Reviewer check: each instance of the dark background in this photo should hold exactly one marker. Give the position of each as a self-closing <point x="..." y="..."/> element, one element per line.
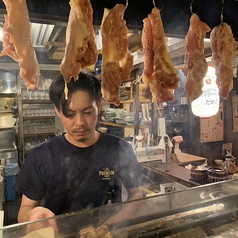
<point x="175" y="13"/>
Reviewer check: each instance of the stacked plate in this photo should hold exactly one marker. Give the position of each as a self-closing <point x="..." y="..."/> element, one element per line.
<point x="129" y="118"/>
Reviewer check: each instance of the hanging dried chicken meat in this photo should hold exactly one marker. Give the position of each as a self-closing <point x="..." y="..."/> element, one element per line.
<point x="17" y="41"/>
<point x="117" y="62"/>
<point x="148" y="49"/>
<point x="80" y="50"/>
<point x="159" y="71"/>
<point x="223" y="47"/>
<point x="195" y="65"/>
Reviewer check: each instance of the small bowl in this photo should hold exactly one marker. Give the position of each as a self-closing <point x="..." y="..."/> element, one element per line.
<point x="218" y="161"/>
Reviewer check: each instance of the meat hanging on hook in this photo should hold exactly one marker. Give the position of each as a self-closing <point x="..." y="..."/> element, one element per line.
<point x="195" y="64"/>
<point x="81" y="49"/>
<point x="117" y="62"/>
<point x="159" y="71"/>
<point x="223" y="46"/>
<point x="17" y="42"/>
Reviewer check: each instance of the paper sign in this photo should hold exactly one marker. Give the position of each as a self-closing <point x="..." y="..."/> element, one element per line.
<point x="235" y="113"/>
<point x="212" y="128"/>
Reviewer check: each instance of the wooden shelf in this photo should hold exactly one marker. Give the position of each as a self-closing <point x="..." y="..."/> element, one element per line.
<point x="10" y="111"/>
<point x="8" y="95"/>
<point x="121" y="125"/>
<point x="114" y="124"/>
<point x="176" y="105"/>
<point x="131" y="101"/>
<point x="177" y="121"/>
<point x="38" y="117"/>
<point x="7" y="128"/>
<point x="36" y="101"/>
<point x="39" y="134"/>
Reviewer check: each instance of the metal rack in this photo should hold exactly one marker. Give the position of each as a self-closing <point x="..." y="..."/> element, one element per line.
<point x="36" y="114"/>
<point x="39" y="125"/>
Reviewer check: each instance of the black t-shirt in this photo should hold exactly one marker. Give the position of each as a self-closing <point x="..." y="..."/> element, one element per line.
<point x="70" y="178"/>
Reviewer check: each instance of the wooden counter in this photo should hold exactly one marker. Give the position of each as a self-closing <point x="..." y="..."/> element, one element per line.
<point x="172" y="171"/>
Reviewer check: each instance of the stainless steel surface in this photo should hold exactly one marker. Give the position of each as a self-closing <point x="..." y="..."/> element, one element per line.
<point x="8" y="110"/>
<point x="7" y="138"/>
<point x="8" y="148"/>
<point x="7" y="120"/>
<point x="8" y="82"/>
<point x="9" y="155"/>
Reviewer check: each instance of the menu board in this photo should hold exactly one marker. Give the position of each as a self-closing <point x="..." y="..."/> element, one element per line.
<point x="235" y="113"/>
<point x="212" y="128"/>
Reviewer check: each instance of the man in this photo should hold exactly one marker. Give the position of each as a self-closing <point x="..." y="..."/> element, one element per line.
<point x="82" y="168"/>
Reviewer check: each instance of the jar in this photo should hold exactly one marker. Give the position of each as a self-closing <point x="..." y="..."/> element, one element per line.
<point x="229" y="166"/>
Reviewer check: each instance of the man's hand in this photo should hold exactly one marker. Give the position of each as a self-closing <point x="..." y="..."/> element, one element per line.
<point x="40" y="213"/>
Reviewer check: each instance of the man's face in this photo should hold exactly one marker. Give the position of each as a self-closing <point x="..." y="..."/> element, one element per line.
<point x="81" y="119"/>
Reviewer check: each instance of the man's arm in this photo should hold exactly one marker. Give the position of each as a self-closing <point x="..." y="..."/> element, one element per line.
<point x="129" y="210"/>
<point x="30" y="210"/>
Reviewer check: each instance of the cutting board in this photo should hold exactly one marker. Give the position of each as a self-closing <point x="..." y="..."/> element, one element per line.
<point x="183" y="157"/>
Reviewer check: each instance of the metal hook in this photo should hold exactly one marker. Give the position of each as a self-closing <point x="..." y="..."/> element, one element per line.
<point x="126" y="4"/>
<point x="155" y="5"/>
<point x="222" y="8"/>
<point x="191" y="7"/>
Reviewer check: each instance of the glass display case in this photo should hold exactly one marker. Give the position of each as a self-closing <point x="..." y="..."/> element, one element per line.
<point x="203" y="211"/>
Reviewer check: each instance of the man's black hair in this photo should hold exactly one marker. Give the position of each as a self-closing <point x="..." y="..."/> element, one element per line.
<point x="85" y="82"/>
